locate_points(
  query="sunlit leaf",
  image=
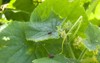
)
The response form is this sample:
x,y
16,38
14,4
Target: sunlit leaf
x,y
24,5
97,11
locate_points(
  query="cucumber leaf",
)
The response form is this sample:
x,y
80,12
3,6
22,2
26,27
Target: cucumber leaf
x,y
56,59
43,30
13,46
93,37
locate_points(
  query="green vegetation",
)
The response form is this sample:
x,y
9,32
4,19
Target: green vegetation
x,y
49,31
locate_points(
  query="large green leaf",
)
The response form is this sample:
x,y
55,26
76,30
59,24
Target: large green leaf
x,y
64,8
13,46
93,37
47,47
24,5
40,30
56,59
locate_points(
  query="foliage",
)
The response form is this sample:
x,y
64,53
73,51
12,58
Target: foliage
x,y
49,31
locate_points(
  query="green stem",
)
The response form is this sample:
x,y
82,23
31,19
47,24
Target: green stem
x,y
63,44
77,28
74,34
71,51
82,54
75,24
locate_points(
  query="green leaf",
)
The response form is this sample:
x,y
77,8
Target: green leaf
x,y
98,55
93,37
49,45
45,60
10,5
16,15
70,10
18,50
64,10
97,13
56,59
13,46
24,5
43,30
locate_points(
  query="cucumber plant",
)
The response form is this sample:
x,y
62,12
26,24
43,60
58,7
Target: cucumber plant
x,y
50,31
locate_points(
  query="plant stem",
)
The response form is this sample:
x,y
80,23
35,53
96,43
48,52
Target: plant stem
x,y
82,54
71,51
63,44
75,24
